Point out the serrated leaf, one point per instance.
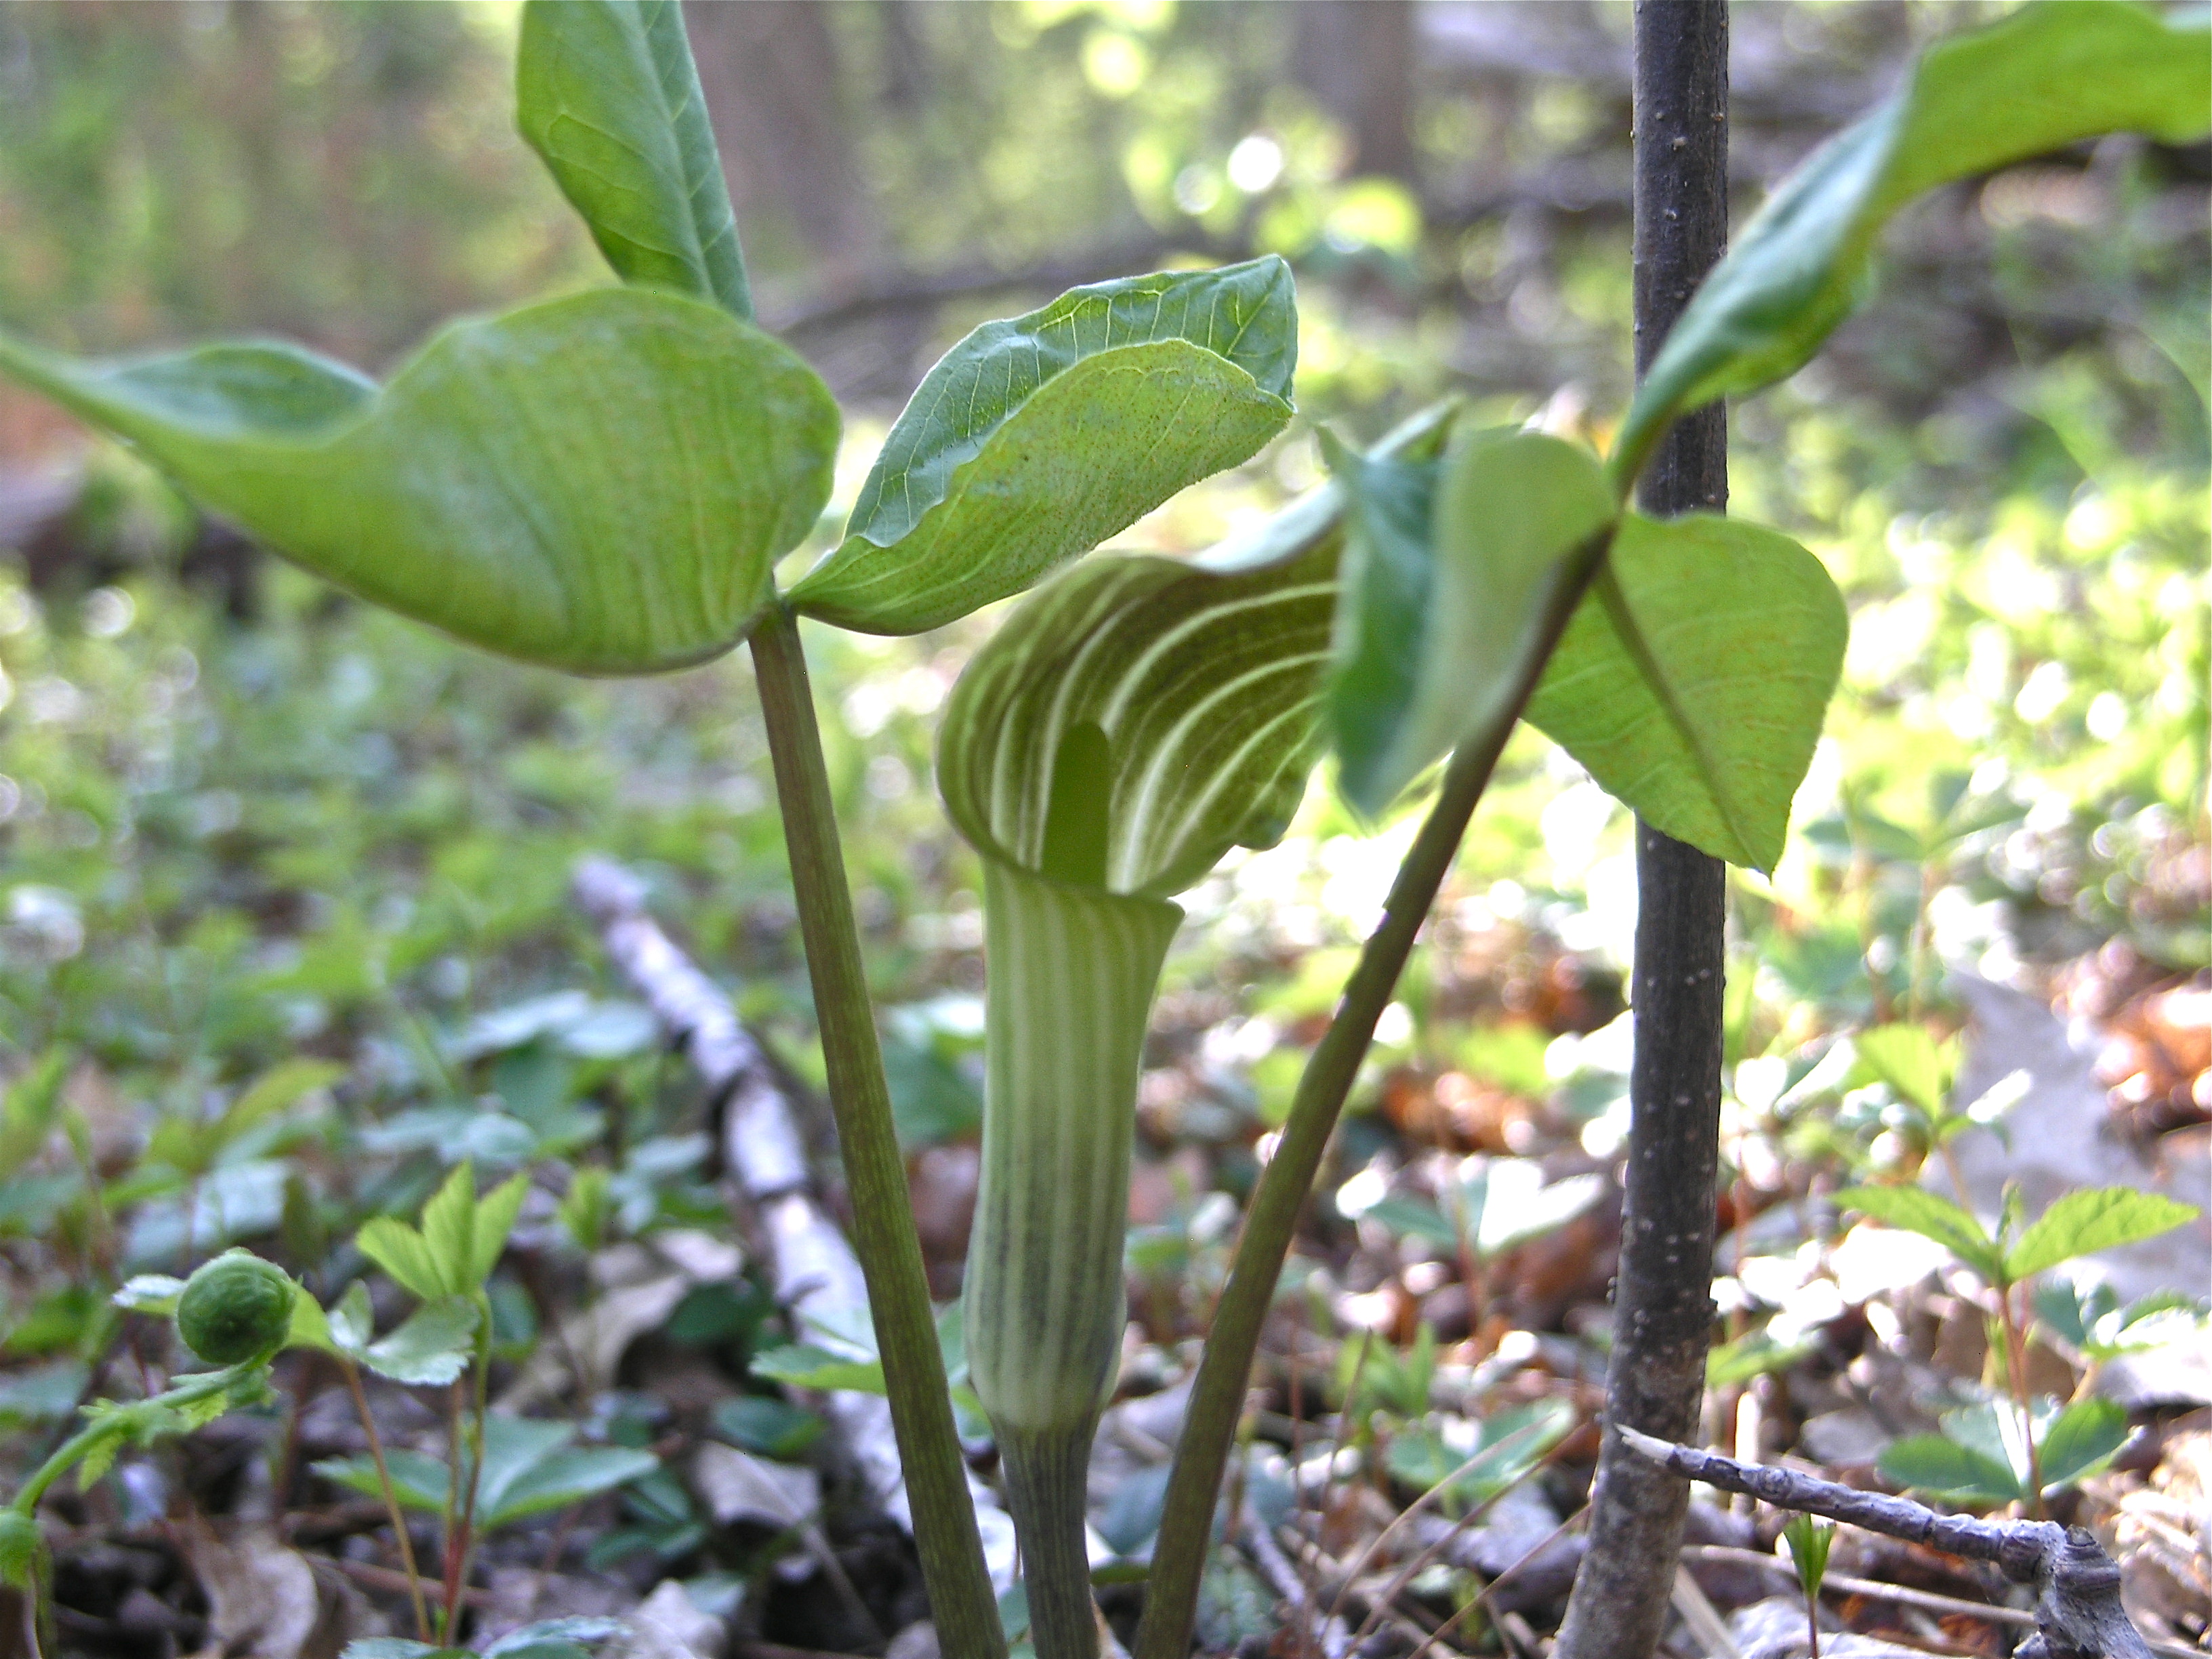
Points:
(431, 1345)
(2039, 80)
(1693, 679)
(400, 1251)
(599, 483)
(1135, 718)
(607, 94)
(1943, 1469)
(2084, 1438)
(2081, 1224)
(1906, 1056)
(352, 1321)
(449, 1230)
(1455, 572)
(1037, 437)
(1919, 1210)
(495, 1219)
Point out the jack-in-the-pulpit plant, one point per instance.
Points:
(606, 482)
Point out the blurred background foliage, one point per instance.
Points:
(243, 819)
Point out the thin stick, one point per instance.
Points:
(2077, 1607)
(1926, 1600)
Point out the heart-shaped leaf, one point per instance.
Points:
(1037, 437)
(1455, 573)
(2040, 79)
(607, 94)
(1692, 680)
(1134, 720)
(599, 483)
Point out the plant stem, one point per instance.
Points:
(1663, 1312)
(457, 1573)
(391, 1497)
(961, 1599)
(1217, 1395)
(449, 1554)
(2016, 1374)
(118, 1424)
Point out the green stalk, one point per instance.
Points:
(1217, 1394)
(959, 1585)
(1217, 1397)
(1072, 977)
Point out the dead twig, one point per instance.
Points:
(2078, 1613)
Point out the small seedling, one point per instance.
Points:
(1984, 1452)
(1808, 1540)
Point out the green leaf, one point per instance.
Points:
(565, 1477)
(1410, 1218)
(529, 1467)
(1809, 1540)
(1755, 1353)
(1508, 1203)
(2081, 1224)
(1919, 1210)
(1037, 437)
(1455, 575)
(1509, 1445)
(1693, 679)
(1943, 1469)
(449, 1230)
(773, 1428)
(281, 1086)
(1906, 1056)
(2042, 78)
(599, 483)
(554, 1638)
(431, 1345)
(311, 1326)
(803, 1365)
(495, 1219)
(1197, 681)
(149, 1293)
(2085, 1436)
(400, 1251)
(352, 1322)
(607, 94)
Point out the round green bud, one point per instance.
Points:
(236, 1308)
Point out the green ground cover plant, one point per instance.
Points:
(605, 483)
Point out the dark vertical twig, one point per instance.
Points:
(1663, 1307)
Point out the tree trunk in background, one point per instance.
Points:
(1356, 57)
(1662, 1311)
(770, 73)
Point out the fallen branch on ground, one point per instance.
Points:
(815, 1272)
(2077, 1604)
